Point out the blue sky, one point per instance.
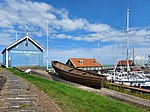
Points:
(78, 28)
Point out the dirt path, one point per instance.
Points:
(127, 98)
(19, 95)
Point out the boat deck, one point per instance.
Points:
(75, 71)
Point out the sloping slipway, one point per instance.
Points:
(19, 95)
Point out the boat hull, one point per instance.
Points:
(93, 80)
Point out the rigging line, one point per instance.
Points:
(139, 41)
(22, 31)
(123, 39)
(124, 27)
(148, 29)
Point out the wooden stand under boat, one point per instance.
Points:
(79, 76)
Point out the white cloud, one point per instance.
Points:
(60, 55)
(16, 15)
(77, 38)
(98, 27)
(70, 24)
(62, 36)
(20, 13)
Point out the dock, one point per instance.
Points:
(131, 88)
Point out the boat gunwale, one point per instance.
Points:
(94, 75)
(91, 81)
(81, 76)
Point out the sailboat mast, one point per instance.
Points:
(133, 55)
(127, 40)
(115, 64)
(115, 56)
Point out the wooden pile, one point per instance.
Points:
(2, 81)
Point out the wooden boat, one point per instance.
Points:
(77, 75)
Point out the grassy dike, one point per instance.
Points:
(70, 99)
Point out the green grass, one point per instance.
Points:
(70, 99)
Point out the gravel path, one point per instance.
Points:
(19, 95)
(127, 98)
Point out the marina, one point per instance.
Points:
(127, 75)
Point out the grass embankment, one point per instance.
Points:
(70, 99)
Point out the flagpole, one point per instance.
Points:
(16, 35)
(47, 44)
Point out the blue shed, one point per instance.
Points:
(24, 52)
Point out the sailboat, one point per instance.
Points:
(147, 67)
(130, 78)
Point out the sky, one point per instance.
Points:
(79, 28)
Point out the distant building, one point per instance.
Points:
(84, 63)
(24, 52)
(123, 63)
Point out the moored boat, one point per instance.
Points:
(77, 75)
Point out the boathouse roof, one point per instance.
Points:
(22, 39)
(84, 62)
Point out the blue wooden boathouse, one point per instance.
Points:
(24, 52)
